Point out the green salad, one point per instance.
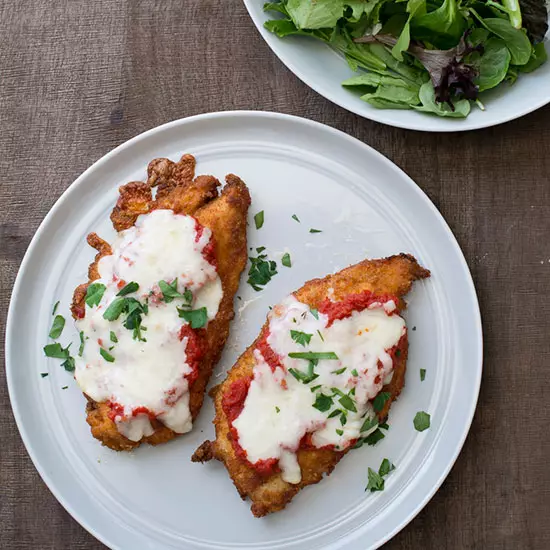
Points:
(434, 56)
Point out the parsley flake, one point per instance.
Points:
(64, 387)
(106, 355)
(422, 375)
(57, 327)
(94, 293)
(339, 371)
(55, 308)
(113, 338)
(354, 372)
(369, 424)
(285, 260)
(323, 402)
(81, 348)
(197, 318)
(43, 374)
(421, 421)
(128, 289)
(170, 291)
(339, 432)
(277, 410)
(295, 217)
(56, 351)
(259, 219)
(313, 355)
(305, 377)
(375, 481)
(386, 467)
(301, 338)
(315, 313)
(380, 400)
(374, 437)
(315, 230)
(261, 272)
(347, 402)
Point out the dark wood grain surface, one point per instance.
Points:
(78, 78)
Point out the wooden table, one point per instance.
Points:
(78, 78)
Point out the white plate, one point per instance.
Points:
(155, 497)
(323, 69)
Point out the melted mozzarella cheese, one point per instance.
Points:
(279, 409)
(151, 372)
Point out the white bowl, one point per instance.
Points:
(323, 69)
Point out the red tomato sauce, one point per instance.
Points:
(209, 250)
(270, 356)
(353, 302)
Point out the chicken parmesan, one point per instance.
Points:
(318, 380)
(154, 316)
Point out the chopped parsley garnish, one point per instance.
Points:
(374, 437)
(421, 421)
(313, 355)
(315, 230)
(170, 291)
(133, 319)
(128, 289)
(69, 364)
(386, 467)
(335, 412)
(261, 271)
(81, 348)
(259, 219)
(295, 217)
(133, 310)
(197, 318)
(302, 338)
(385, 426)
(94, 293)
(339, 371)
(106, 355)
(64, 387)
(343, 418)
(305, 377)
(320, 335)
(354, 372)
(55, 307)
(113, 338)
(43, 374)
(369, 424)
(277, 410)
(57, 327)
(285, 260)
(116, 307)
(347, 402)
(375, 483)
(380, 400)
(323, 402)
(315, 313)
(260, 249)
(315, 388)
(58, 352)
(422, 375)
(339, 432)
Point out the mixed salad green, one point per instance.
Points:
(434, 56)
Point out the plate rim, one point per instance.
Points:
(448, 125)
(267, 115)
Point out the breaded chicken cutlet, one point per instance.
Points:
(155, 313)
(320, 377)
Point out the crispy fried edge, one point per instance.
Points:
(226, 216)
(393, 275)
